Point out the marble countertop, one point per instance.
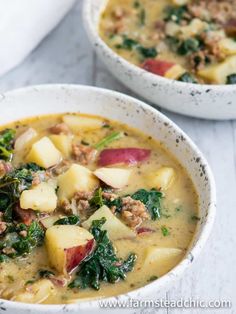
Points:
(65, 56)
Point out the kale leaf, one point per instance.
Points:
(11, 186)
(6, 144)
(128, 44)
(131, 44)
(69, 220)
(142, 16)
(147, 52)
(188, 46)
(152, 201)
(102, 264)
(231, 79)
(187, 78)
(97, 199)
(175, 14)
(16, 244)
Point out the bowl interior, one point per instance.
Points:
(39, 100)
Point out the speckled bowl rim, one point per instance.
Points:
(163, 282)
(99, 44)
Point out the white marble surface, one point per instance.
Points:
(65, 56)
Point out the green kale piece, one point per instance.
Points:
(152, 201)
(11, 186)
(7, 137)
(231, 79)
(102, 264)
(69, 220)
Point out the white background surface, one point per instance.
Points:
(65, 56)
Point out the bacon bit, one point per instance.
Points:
(59, 128)
(144, 230)
(27, 216)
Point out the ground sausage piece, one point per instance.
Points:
(27, 216)
(118, 13)
(5, 167)
(133, 212)
(219, 11)
(9, 250)
(82, 204)
(83, 154)
(60, 128)
(109, 196)
(82, 195)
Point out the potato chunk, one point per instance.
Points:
(44, 153)
(42, 198)
(115, 228)
(219, 72)
(162, 179)
(78, 123)
(37, 292)
(227, 46)
(76, 178)
(49, 221)
(114, 177)
(161, 255)
(180, 2)
(24, 139)
(175, 72)
(67, 246)
(63, 143)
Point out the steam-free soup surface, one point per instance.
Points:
(61, 175)
(186, 40)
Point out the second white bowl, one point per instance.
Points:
(203, 101)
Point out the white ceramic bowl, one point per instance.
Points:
(203, 101)
(46, 99)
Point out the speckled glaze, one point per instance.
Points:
(45, 99)
(203, 101)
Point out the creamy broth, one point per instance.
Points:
(190, 41)
(174, 229)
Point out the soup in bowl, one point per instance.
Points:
(179, 55)
(190, 41)
(93, 207)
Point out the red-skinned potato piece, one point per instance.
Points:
(67, 246)
(75, 255)
(159, 67)
(127, 156)
(143, 230)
